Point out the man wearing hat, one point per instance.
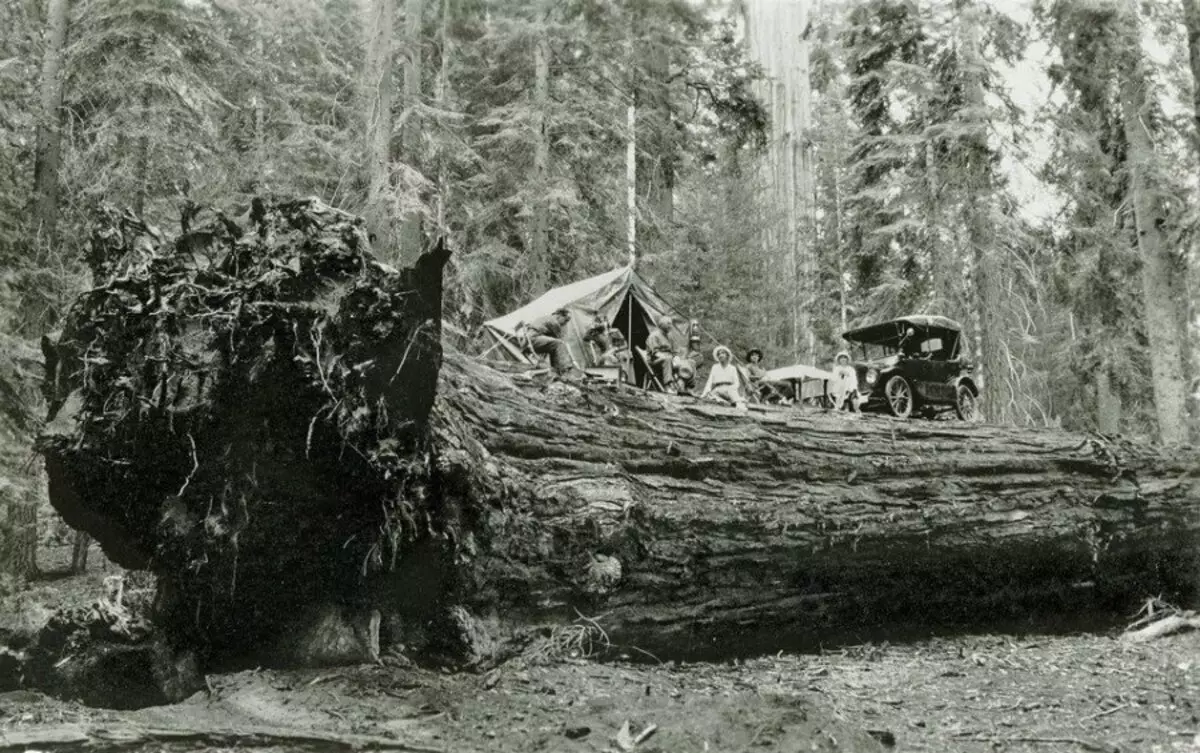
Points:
(689, 365)
(545, 338)
(662, 352)
(724, 381)
(757, 376)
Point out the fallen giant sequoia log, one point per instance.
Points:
(691, 530)
(252, 416)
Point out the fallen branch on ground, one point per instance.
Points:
(1175, 623)
(74, 735)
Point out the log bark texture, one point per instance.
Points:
(264, 418)
(692, 530)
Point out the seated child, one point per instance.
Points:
(844, 387)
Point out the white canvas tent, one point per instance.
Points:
(620, 296)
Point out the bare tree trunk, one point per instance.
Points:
(79, 552)
(260, 115)
(49, 131)
(1191, 21)
(776, 39)
(22, 555)
(377, 109)
(1160, 279)
(141, 168)
(655, 170)
(984, 246)
(1108, 404)
(631, 182)
(802, 150)
(843, 284)
(541, 151)
(411, 234)
(442, 95)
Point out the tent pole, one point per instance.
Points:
(629, 318)
(489, 350)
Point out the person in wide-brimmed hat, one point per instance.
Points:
(843, 388)
(662, 351)
(756, 375)
(546, 339)
(688, 367)
(724, 381)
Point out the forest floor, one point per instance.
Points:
(1081, 692)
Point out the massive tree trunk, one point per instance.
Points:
(1162, 291)
(777, 39)
(1191, 283)
(377, 94)
(411, 233)
(19, 498)
(1191, 22)
(984, 246)
(538, 260)
(49, 132)
(656, 153)
(696, 531)
(286, 449)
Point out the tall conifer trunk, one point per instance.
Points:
(541, 149)
(377, 90)
(1191, 19)
(776, 37)
(981, 236)
(1161, 288)
(442, 96)
(49, 132)
(411, 233)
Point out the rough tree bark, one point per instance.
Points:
(984, 245)
(287, 450)
(411, 233)
(49, 132)
(539, 236)
(377, 94)
(1191, 22)
(19, 499)
(693, 531)
(777, 39)
(1162, 293)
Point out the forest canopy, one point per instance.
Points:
(782, 171)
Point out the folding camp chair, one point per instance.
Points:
(651, 379)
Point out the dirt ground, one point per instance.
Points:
(1083, 692)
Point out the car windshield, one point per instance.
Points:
(874, 351)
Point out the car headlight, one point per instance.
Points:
(872, 375)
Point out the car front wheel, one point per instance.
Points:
(899, 396)
(965, 403)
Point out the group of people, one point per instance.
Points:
(675, 370)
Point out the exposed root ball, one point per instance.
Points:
(249, 405)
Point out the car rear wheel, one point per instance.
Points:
(899, 396)
(965, 403)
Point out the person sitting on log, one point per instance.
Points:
(693, 352)
(598, 335)
(545, 339)
(618, 355)
(687, 366)
(724, 380)
(761, 390)
(843, 388)
(662, 352)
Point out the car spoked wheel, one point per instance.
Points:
(965, 403)
(899, 396)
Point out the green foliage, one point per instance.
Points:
(913, 137)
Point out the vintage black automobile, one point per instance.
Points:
(914, 364)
